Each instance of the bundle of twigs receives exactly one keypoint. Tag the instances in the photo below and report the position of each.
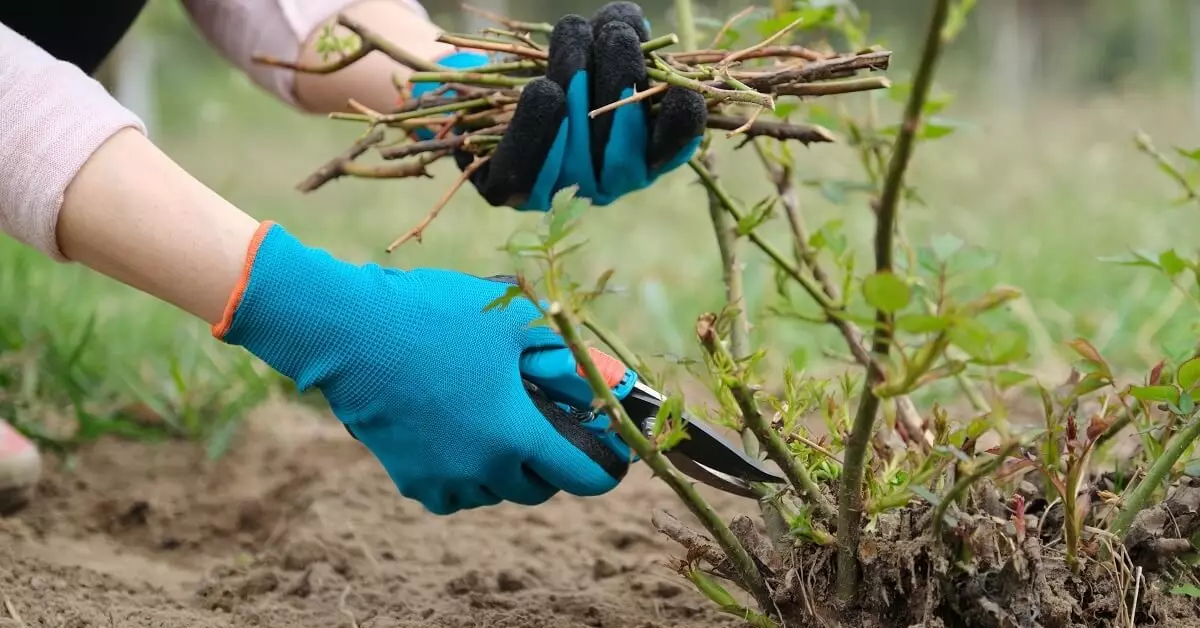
(737, 84)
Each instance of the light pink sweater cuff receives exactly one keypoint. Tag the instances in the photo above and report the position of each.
(52, 118)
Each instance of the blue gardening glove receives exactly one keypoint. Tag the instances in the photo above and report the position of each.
(420, 374)
(552, 144)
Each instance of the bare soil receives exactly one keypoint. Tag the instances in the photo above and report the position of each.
(299, 526)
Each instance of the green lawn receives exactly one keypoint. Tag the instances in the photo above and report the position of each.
(1049, 195)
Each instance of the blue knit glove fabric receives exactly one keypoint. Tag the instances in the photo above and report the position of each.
(420, 374)
(462, 60)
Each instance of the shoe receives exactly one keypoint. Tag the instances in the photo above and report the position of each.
(20, 469)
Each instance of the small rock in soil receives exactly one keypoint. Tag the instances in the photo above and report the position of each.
(603, 569)
(665, 589)
(508, 581)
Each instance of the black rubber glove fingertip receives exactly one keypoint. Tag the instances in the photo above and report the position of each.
(626, 12)
(508, 177)
(682, 116)
(570, 49)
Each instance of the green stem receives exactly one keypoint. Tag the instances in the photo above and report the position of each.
(810, 286)
(1140, 495)
(687, 24)
(776, 450)
(742, 562)
(665, 74)
(850, 497)
(469, 78)
(618, 347)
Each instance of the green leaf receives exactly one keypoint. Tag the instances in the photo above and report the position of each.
(925, 494)
(799, 358)
(1170, 263)
(1193, 154)
(945, 245)
(1189, 590)
(1186, 404)
(1090, 383)
(957, 19)
(785, 109)
(1151, 394)
(503, 300)
(829, 236)
(1189, 374)
(921, 323)
(887, 292)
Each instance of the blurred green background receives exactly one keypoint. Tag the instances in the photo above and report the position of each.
(1041, 170)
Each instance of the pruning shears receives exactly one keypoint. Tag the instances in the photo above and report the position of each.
(703, 455)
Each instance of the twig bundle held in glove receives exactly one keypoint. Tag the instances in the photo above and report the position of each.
(578, 111)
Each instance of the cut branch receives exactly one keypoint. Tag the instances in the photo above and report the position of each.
(416, 231)
(336, 167)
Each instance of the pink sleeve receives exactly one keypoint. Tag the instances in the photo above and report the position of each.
(52, 118)
(240, 29)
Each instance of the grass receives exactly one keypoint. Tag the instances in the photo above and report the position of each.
(1049, 195)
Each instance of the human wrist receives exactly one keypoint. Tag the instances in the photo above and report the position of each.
(134, 215)
(289, 303)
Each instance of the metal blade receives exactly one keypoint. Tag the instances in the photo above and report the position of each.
(704, 443)
(711, 477)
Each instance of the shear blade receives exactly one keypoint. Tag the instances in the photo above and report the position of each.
(705, 447)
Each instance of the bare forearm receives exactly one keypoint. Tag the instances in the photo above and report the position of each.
(154, 227)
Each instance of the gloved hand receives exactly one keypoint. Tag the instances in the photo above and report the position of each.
(420, 374)
(552, 144)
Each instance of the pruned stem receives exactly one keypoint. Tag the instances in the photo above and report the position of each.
(850, 498)
(830, 88)
(416, 231)
(743, 565)
(336, 167)
(803, 133)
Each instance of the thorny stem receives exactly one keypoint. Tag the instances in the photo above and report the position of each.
(830, 88)
(671, 77)
(742, 562)
(1137, 498)
(470, 78)
(776, 450)
(850, 498)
